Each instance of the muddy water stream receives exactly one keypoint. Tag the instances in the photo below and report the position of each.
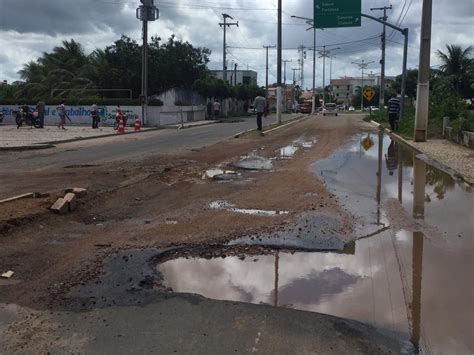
(412, 276)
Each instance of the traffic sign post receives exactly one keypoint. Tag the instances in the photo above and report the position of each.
(368, 93)
(337, 13)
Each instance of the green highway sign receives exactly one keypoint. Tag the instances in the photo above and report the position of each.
(337, 13)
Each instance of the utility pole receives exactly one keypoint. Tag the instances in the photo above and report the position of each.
(284, 70)
(226, 24)
(294, 86)
(146, 12)
(266, 70)
(302, 53)
(422, 99)
(235, 74)
(382, 61)
(324, 54)
(311, 23)
(362, 65)
(279, 57)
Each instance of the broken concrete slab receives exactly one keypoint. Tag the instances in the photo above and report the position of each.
(78, 191)
(61, 206)
(8, 274)
(71, 200)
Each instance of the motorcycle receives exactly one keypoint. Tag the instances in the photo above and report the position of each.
(28, 116)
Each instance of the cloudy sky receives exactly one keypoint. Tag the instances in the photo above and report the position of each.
(30, 27)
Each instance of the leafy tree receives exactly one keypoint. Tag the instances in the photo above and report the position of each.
(458, 68)
(175, 64)
(410, 85)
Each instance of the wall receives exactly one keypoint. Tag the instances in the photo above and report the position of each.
(79, 114)
(82, 114)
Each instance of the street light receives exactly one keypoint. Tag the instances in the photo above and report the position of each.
(323, 54)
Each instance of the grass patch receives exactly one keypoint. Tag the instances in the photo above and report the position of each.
(406, 126)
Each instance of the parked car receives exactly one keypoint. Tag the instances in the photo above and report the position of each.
(352, 108)
(330, 109)
(251, 110)
(373, 108)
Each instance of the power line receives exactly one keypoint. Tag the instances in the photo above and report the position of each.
(311, 47)
(191, 6)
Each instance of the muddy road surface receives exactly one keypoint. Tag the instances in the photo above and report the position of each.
(151, 239)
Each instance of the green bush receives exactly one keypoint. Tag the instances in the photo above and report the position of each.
(463, 123)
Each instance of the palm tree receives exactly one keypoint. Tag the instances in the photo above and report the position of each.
(458, 68)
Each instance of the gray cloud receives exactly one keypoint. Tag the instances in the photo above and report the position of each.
(27, 28)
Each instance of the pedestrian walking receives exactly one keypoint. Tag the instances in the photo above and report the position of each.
(95, 116)
(209, 110)
(62, 115)
(393, 112)
(40, 109)
(217, 108)
(391, 158)
(260, 106)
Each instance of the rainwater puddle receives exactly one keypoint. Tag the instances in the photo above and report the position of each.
(408, 275)
(289, 151)
(224, 205)
(253, 162)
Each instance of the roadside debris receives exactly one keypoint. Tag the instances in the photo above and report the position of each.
(14, 198)
(8, 274)
(60, 206)
(68, 203)
(220, 174)
(71, 200)
(78, 191)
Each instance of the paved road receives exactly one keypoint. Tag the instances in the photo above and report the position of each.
(127, 147)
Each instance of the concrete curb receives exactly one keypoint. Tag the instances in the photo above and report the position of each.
(430, 160)
(287, 123)
(27, 147)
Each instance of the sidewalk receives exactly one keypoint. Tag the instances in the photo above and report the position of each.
(26, 138)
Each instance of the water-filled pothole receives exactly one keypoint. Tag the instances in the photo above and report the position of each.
(410, 276)
(224, 205)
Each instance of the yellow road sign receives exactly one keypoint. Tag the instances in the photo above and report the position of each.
(367, 142)
(369, 94)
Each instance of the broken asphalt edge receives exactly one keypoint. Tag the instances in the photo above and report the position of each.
(439, 165)
(287, 123)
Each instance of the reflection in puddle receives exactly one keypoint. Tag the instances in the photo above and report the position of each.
(288, 151)
(224, 205)
(413, 277)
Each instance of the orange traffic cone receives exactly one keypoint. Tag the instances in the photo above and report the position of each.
(138, 123)
(121, 128)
